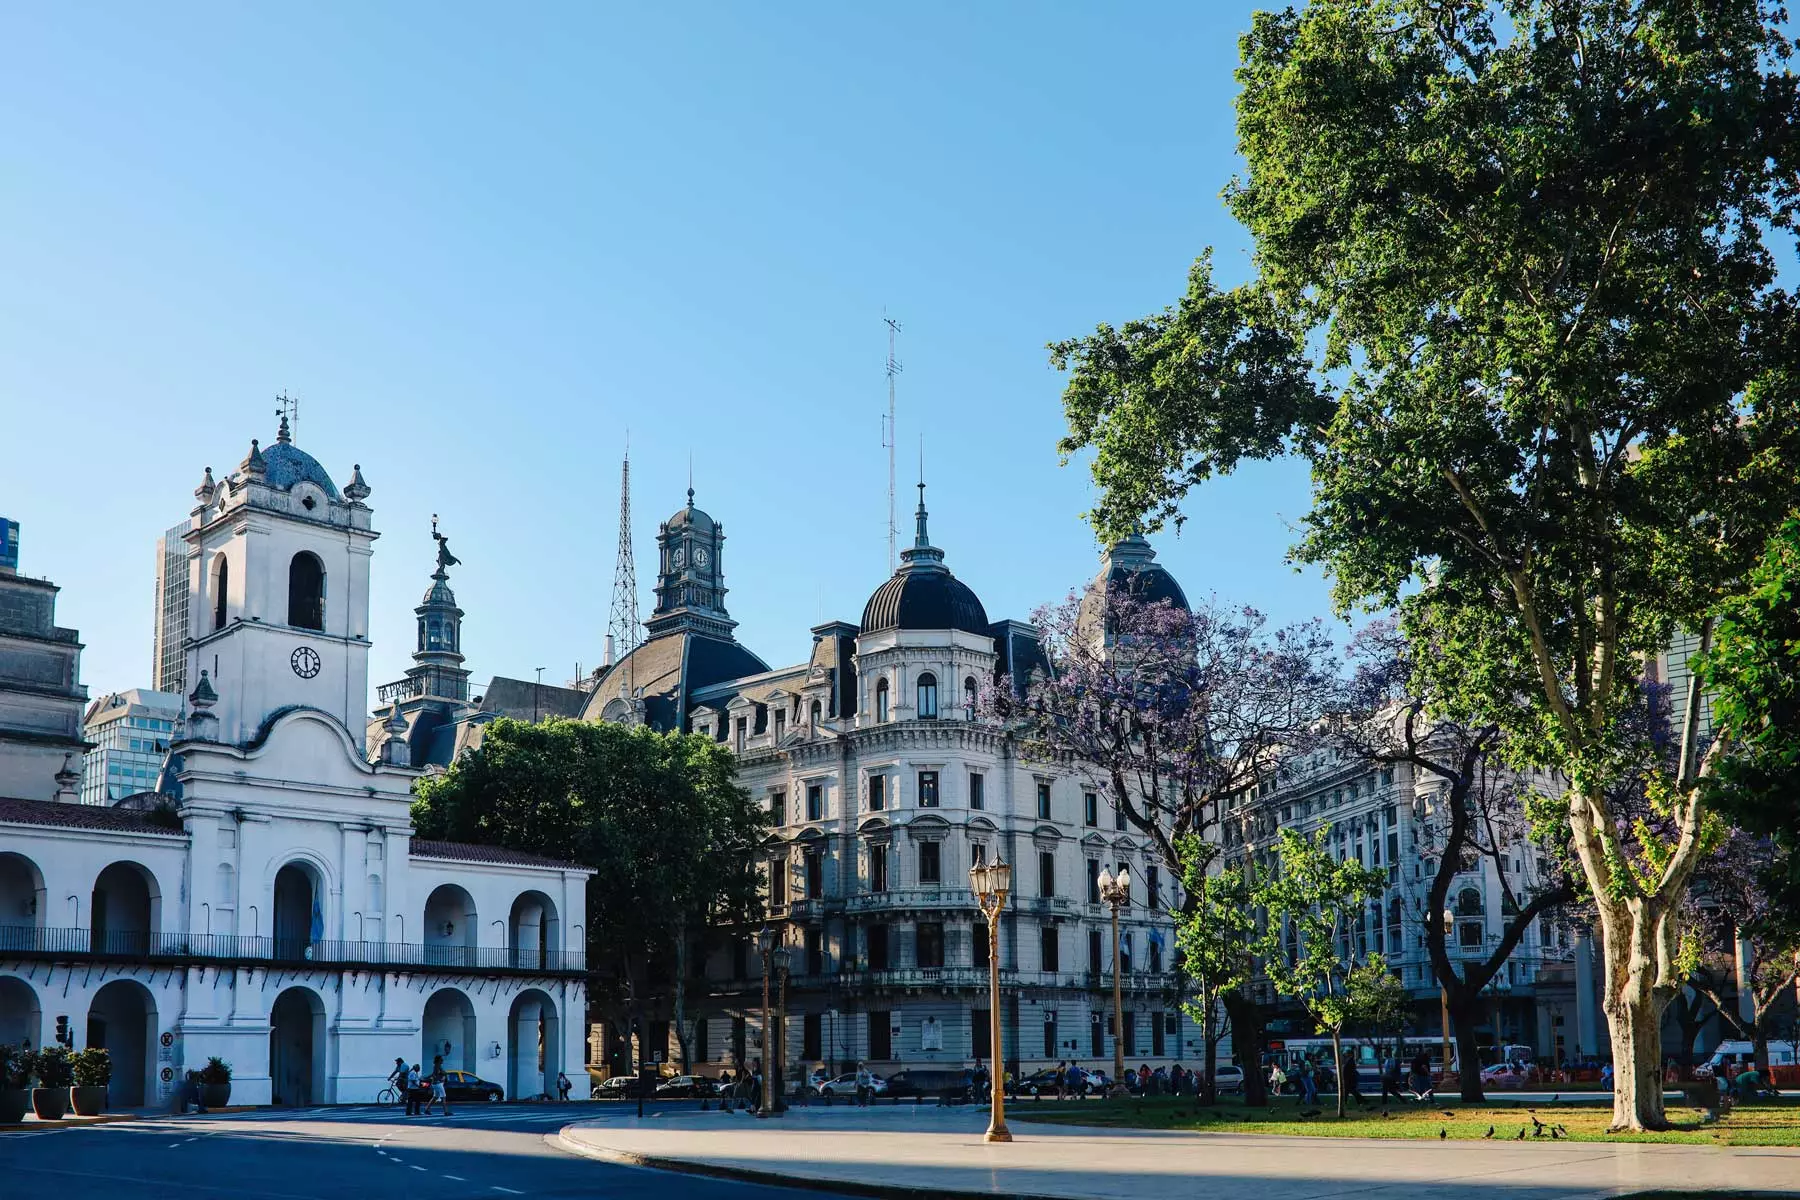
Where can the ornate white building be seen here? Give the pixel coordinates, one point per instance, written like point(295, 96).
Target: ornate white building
point(886, 787)
point(269, 904)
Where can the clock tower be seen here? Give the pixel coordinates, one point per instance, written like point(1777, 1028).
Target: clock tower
point(690, 576)
point(278, 591)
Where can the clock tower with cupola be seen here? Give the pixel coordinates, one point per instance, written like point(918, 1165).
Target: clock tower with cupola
point(690, 576)
point(278, 591)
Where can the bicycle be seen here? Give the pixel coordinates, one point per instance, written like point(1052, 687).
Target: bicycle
point(387, 1096)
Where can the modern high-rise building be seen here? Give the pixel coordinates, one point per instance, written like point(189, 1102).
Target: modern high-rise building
point(130, 733)
point(168, 657)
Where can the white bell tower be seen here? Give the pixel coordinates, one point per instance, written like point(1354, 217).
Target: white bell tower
point(278, 591)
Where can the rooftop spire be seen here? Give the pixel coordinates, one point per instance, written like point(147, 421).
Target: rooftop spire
point(921, 539)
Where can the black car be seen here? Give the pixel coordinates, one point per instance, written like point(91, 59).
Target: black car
point(688, 1085)
point(466, 1085)
point(1040, 1083)
point(625, 1087)
point(952, 1084)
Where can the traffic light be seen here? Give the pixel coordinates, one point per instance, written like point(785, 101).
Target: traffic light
point(64, 1034)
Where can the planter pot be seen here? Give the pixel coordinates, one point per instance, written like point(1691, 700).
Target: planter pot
point(50, 1103)
point(14, 1104)
point(89, 1100)
point(215, 1095)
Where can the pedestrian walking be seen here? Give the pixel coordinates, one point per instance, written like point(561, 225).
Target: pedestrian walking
point(413, 1088)
point(562, 1086)
point(440, 1092)
point(865, 1085)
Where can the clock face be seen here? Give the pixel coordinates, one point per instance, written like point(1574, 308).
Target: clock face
point(680, 556)
point(306, 662)
point(701, 557)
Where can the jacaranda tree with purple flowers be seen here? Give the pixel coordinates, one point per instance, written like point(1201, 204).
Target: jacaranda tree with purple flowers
point(1169, 712)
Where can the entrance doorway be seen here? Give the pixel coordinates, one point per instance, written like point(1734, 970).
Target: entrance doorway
point(534, 1046)
point(122, 1019)
point(297, 1048)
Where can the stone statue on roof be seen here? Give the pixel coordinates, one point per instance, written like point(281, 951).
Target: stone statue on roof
point(445, 559)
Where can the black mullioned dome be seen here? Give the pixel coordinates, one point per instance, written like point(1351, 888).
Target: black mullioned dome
point(924, 599)
point(1151, 584)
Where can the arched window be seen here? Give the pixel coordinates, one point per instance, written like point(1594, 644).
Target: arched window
point(1468, 903)
point(306, 591)
point(928, 695)
point(969, 698)
point(815, 712)
point(221, 587)
point(881, 700)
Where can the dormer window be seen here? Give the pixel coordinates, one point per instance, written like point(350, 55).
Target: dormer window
point(814, 713)
point(969, 698)
point(928, 696)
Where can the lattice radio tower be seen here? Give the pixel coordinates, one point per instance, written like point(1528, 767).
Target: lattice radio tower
point(889, 439)
point(622, 630)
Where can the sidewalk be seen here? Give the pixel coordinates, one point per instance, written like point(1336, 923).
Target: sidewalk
point(939, 1152)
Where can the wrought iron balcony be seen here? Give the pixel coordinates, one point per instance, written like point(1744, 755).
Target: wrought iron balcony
point(124, 945)
point(945, 898)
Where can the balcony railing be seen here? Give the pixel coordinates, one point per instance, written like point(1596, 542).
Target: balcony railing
point(32, 942)
point(945, 898)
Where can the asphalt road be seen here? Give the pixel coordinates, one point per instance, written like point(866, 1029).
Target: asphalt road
point(488, 1151)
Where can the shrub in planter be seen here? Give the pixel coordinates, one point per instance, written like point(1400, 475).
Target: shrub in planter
point(50, 1098)
point(215, 1083)
point(93, 1071)
point(15, 1083)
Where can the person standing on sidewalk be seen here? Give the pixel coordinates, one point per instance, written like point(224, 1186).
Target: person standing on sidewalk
point(865, 1085)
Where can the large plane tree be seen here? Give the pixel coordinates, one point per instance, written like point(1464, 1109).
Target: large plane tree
point(1515, 299)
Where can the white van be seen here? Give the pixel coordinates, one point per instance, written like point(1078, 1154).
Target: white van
point(1781, 1054)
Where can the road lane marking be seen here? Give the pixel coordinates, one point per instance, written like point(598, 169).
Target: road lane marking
point(417, 1167)
point(458, 1178)
point(508, 1191)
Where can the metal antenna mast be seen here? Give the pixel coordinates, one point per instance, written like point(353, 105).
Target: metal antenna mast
point(622, 630)
point(889, 439)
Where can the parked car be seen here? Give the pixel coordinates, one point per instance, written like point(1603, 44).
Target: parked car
point(1737, 1053)
point(1228, 1078)
point(1508, 1076)
point(466, 1085)
point(845, 1085)
point(687, 1085)
point(934, 1082)
point(624, 1087)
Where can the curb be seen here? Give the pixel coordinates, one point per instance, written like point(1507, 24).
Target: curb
point(67, 1123)
point(842, 1187)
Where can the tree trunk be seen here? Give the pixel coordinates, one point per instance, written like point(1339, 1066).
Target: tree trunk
point(1337, 1067)
point(1633, 1017)
point(681, 1029)
point(1247, 1033)
point(1209, 1038)
point(1468, 1054)
point(1761, 1046)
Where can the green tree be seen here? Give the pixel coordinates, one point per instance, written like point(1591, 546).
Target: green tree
point(659, 816)
point(1312, 900)
point(1216, 931)
point(1516, 303)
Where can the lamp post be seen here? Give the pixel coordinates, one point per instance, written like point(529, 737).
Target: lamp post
point(765, 942)
point(990, 882)
point(1116, 892)
point(778, 1075)
point(1443, 992)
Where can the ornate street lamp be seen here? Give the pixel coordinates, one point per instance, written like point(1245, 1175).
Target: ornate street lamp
point(765, 943)
point(1116, 892)
point(782, 957)
point(990, 882)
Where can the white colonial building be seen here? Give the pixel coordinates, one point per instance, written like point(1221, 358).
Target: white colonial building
point(268, 902)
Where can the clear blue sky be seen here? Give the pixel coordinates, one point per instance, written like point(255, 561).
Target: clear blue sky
point(480, 242)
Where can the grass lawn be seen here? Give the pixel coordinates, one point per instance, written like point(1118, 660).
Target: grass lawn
point(1771, 1123)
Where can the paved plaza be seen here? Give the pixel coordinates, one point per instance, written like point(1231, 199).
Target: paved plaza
point(889, 1150)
